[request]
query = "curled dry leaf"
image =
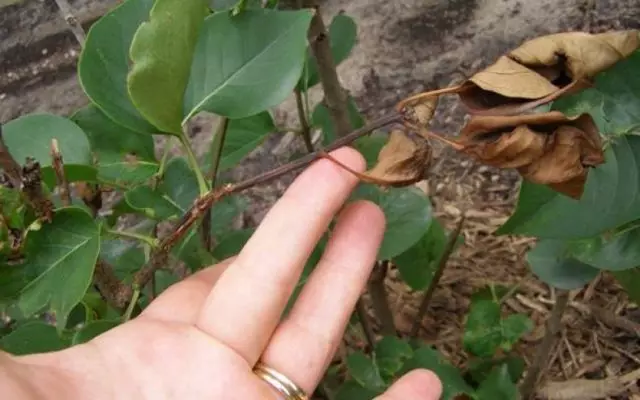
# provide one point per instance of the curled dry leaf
(402, 161)
(543, 69)
(550, 148)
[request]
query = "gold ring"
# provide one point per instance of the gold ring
(279, 382)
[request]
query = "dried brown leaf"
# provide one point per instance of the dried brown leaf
(402, 161)
(543, 69)
(588, 389)
(550, 148)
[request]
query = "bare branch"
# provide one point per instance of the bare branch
(379, 300)
(11, 167)
(335, 97)
(32, 188)
(74, 25)
(304, 124)
(114, 291)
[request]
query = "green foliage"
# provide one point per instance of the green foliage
(552, 263)
(124, 156)
(93, 329)
(408, 216)
(390, 355)
(104, 63)
(31, 135)
(629, 279)
(498, 386)
(322, 119)
(161, 52)
(33, 337)
(254, 44)
(614, 252)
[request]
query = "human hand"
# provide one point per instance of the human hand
(203, 336)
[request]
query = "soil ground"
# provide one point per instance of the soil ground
(404, 47)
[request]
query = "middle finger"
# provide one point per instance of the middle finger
(245, 305)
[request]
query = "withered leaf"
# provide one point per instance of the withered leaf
(543, 69)
(402, 161)
(549, 148)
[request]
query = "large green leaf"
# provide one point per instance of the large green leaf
(611, 198)
(12, 280)
(247, 63)
(224, 212)
(104, 63)
(342, 37)
(60, 260)
(482, 331)
(613, 252)
(364, 370)
(418, 264)
(452, 382)
(31, 135)
(12, 207)
(408, 216)
(551, 262)
(612, 192)
(124, 156)
(153, 203)
(125, 257)
(231, 243)
(161, 52)
(498, 386)
(33, 337)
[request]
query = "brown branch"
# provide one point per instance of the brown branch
(114, 291)
(554, 326)
(442, 263)
(216, 147)
(74, 25)
(361, 312)
(159, 255)
(58, 168)
(335, 97)
(379, 300)
(32, 189)
(91, 195)
(11, 167)
(304, 124)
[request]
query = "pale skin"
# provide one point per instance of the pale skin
(201, 338)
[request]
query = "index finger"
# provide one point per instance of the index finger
(245, 306)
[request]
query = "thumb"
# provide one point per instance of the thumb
(419, 384)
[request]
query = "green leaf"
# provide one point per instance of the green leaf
(33, 337)
(615, 252)
(342, 37)
(12, 280)
(223, 5)
(12, 207)
(92, 330)
(369, 147)
(224, 212)
(30, 136)
(104, 63)
(231, 243)
(192, 252)
(629, 279)
(480, 368)
(153, 203)
(513, 328)
(364, 370)
(482, 331)
(351, 390)
(322, 119)
(549, 260)
(390, 354)
(180, 183)
(407, 212)
(418, 264)
(161, 52)
(263, 54)
(62, 254)
(124, 156)
(613, 100)
(243, 136)
(498, 386)
(452, 382)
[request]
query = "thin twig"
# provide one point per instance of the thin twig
(74, 25)
(114, 291)
(554, 325)
(11, 167)
(335, 97)
(58, 168)
(159, 256)
(302, 116)
(379, 299)
(361, 312)
(216, 155)
(442, 263)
